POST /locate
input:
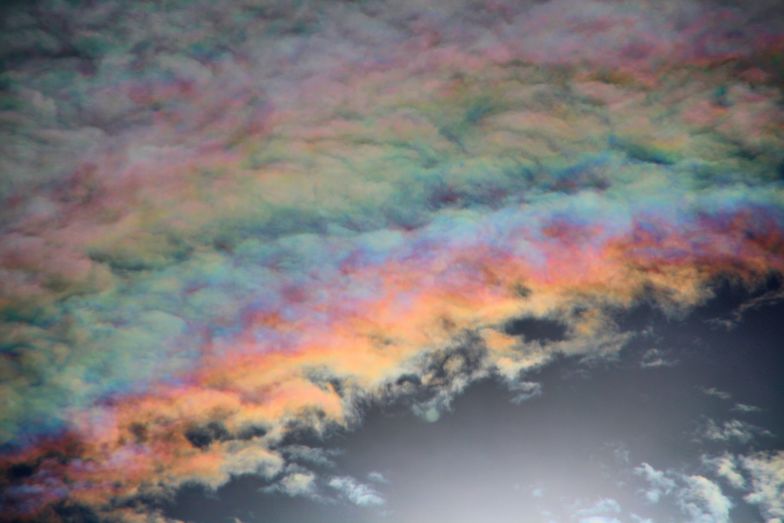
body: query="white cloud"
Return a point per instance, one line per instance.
(312, 455)
(703, 501)
(766, 471)
(698, 498)
(525, 390)
(600, 512)
(378, 477)
(732, 430)
(655, 358)
(357, 493)
(294, 484)
(716, 393)
(726, 467)
(745, 408)
(602, 506)
(659, 482)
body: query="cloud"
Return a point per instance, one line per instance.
(659, 482)
(759, 475)
(599, 512)
(656, 358)
(731, 431)
(620, 452)
(768, 298)
(726, 466)
(525, 390)
(298, 483)
(311, 455)
(270, 218)
(698, 498)
(745, 408)
(357, 493)
(704, 501)
(766, 473)
(716, 393)
(445, 373)
(377, 477)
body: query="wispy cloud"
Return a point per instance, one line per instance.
(311, 455)
(298, 483)
(656, 358)
(731, 431)
(745, 408)
(659, 482)
(357, 493)
(602, 511)
(766, 299)
(703, 501)
(525, 390)
(716, 393)
(726, 466)
(766, 473)
(699, 499)
(377, 477)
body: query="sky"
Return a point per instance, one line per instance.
(411, 261)
(621, 440)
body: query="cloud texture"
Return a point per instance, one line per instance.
(222, 223)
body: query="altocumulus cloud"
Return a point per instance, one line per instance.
(761, 476)
(602, 511)
(731, 430)
(294, 483)
(700, 499)
(357, 493)
(223, 223)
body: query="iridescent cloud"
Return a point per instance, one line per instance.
(222, 222)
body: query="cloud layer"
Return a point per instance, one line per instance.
(222, 224)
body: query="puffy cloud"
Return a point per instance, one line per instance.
(699, 498)
(703, 501)
(726, 466)
(766, 473)
(760, 476)
(659, 482)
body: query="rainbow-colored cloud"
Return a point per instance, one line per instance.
(224, 220)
